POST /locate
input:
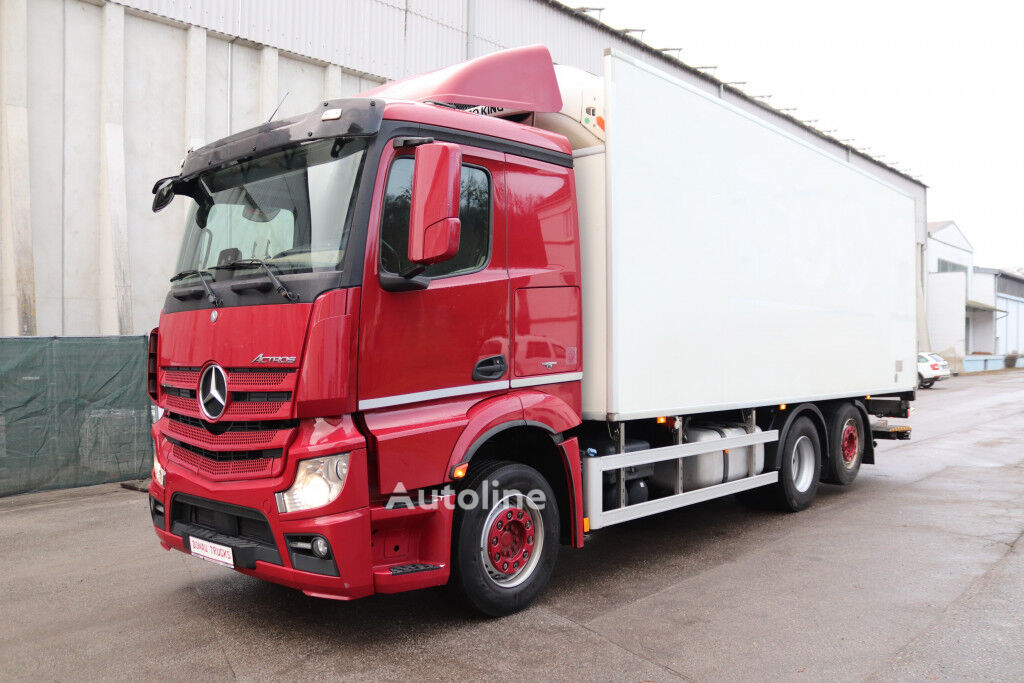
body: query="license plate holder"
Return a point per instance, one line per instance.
(212, 552)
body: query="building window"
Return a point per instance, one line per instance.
(950, 267)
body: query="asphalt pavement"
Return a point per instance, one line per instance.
(916, 571)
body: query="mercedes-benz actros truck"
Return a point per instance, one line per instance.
(433, 333)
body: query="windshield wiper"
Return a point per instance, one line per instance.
(211, 296)
(250, 262)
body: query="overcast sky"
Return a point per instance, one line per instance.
(935, 87)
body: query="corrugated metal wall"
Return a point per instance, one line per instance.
(101, 98)
(394, 38)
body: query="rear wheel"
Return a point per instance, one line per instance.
(846, 435)
(506, 540)
(923, 383)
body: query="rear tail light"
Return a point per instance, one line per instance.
(935, 366)
(151, 388)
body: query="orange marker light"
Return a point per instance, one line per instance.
(586, 524)
(662, 420)
(782, 406)
(459, 471)
(600, 122)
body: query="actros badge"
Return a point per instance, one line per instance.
(286, 360)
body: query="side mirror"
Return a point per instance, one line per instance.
(163, 191)
(434, 213)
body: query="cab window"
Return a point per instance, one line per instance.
(474, 214)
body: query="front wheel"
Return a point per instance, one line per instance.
(506, 538)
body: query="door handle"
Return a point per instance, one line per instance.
(492, 367)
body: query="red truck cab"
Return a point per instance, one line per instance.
(377, 307)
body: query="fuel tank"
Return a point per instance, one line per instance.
(718, 467)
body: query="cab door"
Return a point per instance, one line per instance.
(427, 355)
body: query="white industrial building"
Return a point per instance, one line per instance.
(953, 314)
(975, 314)
(1004, 291)
(100, 98)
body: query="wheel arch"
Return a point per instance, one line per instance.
(533, 436)
(786, 420)
(532, 444)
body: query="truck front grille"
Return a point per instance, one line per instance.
(247, 433)
(242, 404)
(182, 376)
(247, 408)
(238, 378)
(221, 465)
(179, 403)
(228, 449)
(267, 377)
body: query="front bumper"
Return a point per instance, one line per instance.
(243, 516)
(348, 534)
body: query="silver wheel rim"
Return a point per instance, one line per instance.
(802, 464)
(512, 501)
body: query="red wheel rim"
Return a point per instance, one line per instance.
(851, 443)
(510, 540)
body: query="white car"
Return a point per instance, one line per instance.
(930, 369)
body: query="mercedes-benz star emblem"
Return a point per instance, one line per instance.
(213, 391)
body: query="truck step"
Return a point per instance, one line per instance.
(401, 569)
(884, 430)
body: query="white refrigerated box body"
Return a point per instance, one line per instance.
(728, 263)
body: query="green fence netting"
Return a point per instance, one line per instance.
(74, 412)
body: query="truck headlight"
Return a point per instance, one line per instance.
(318, 482)
(158, 470)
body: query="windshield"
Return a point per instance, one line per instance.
(292, 209)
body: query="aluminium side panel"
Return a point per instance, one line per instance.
(744, 266)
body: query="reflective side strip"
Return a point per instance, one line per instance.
(546, 379)
(401, 399)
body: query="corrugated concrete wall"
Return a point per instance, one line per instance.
(99, 99)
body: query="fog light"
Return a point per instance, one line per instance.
(320, 547)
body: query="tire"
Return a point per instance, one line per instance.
(800, 458)
(846, 439)
(507, 520)
(929, 384)
(923, 383)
